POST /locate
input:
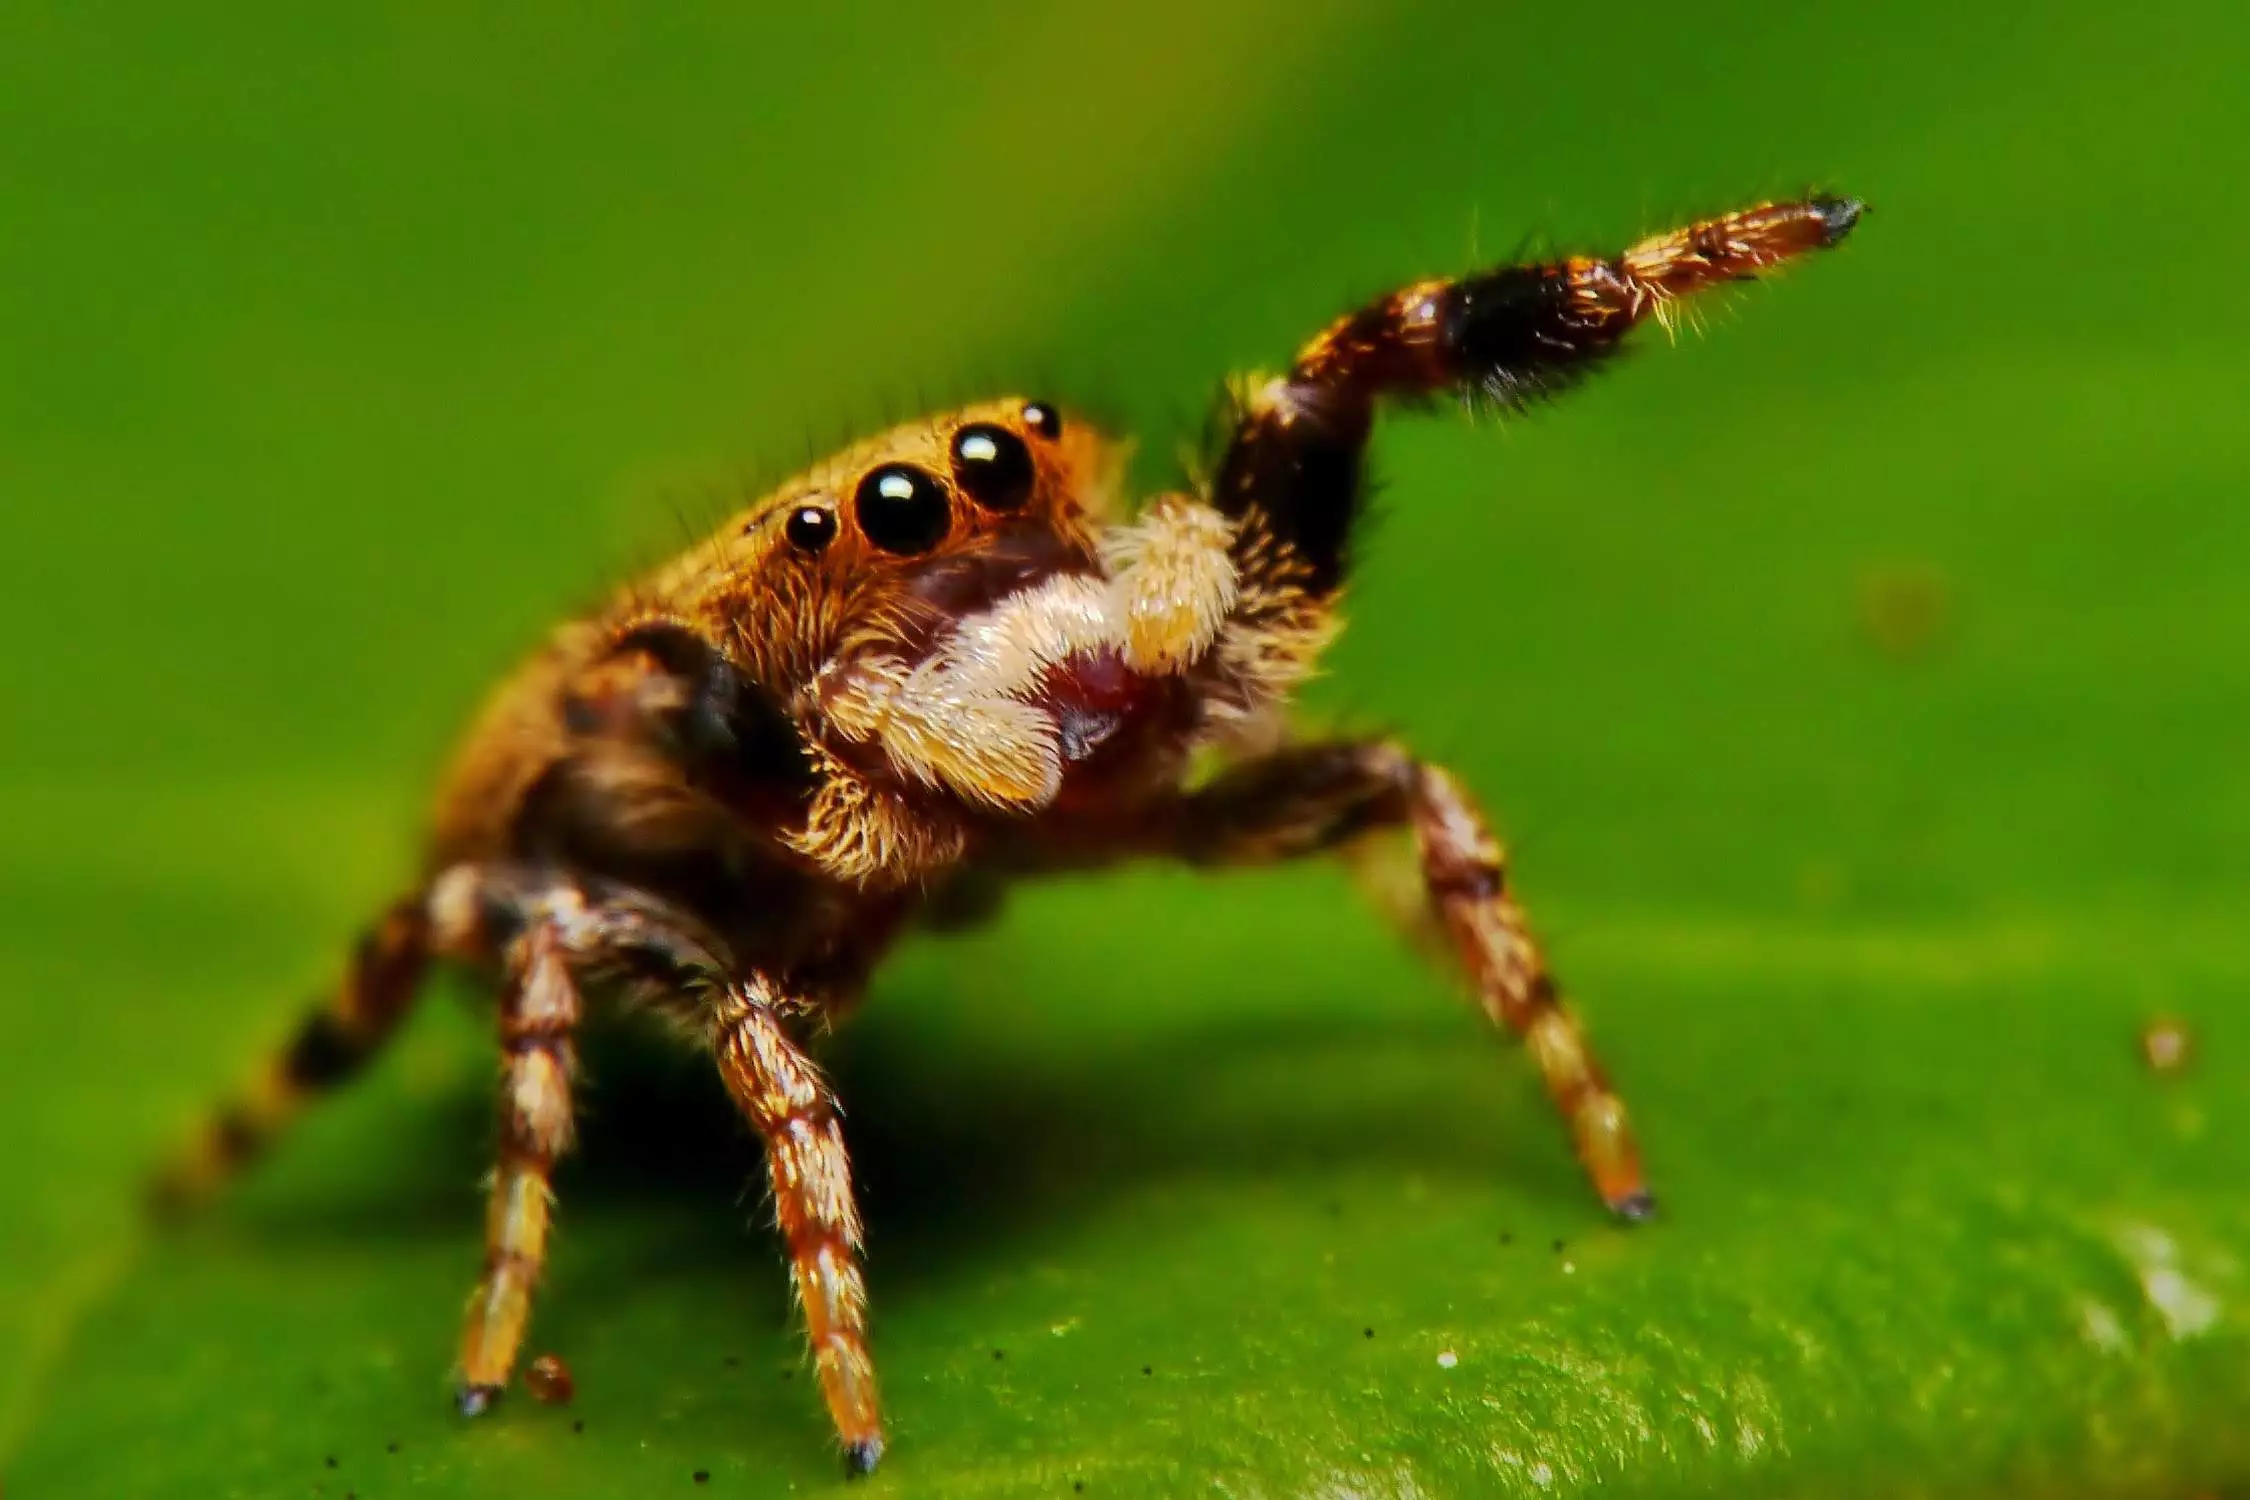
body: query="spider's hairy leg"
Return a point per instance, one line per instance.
(333, 1042)
(666, 961)
(539, 1012)
(541, 929)
(1292, 471)
(789, 1104)
(1320, 797)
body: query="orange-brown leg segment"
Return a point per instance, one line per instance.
(787, 1102)
(1292, 473)
(1309, 799)
(539, 1010)
(330, 1046)
(1466, 871)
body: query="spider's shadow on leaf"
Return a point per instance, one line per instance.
(960, 1142)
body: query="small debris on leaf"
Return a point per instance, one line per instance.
(548, 1380)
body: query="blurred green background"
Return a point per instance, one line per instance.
(1863, 688)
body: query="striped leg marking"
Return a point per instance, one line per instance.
(333, 1043)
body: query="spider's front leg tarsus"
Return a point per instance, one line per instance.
(1317, 798)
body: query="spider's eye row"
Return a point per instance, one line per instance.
(902, 509)
(810, 527)
(1042, 419)
(993, 466)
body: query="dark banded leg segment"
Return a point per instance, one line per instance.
(1293, 472)
(330, 1047)
(539, 1011)
(787, 1102)
(1317, 798)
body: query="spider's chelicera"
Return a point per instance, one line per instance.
(941, 661)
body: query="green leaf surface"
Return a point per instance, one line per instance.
(1863, 689)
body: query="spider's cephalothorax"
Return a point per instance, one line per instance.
(943, 660)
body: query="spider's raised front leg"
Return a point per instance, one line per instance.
(1292, 473)
(545, 927)
(1315, 798)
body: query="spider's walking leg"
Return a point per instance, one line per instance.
(331, 1045)
(787, 1102)
(541, 929)
(539, 1011)
(1293, 470)
(549, 927)
(1308, 799)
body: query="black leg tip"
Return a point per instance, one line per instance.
(862, 1457)
(476, 1400)
(1838, 217)
(1637, 1207)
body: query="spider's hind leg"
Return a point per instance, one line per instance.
(331, 1045)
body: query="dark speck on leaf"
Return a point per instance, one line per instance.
(1148, 1369)
(1078, 1486)
(731, 1361)
(1367, 1333)
(330, 1460)
(579, 1425)
(788, 1374)
(1558, 1247)
(999, 1354)
(391, 1446)
(1507, 1236)
(701, 1476)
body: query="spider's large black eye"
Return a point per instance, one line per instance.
(993, 465)
(902, 509)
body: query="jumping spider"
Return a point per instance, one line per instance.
(944, 657)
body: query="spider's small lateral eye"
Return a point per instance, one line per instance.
(902, 509)
(1042, 419)
(993, 466)
(810, 527)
